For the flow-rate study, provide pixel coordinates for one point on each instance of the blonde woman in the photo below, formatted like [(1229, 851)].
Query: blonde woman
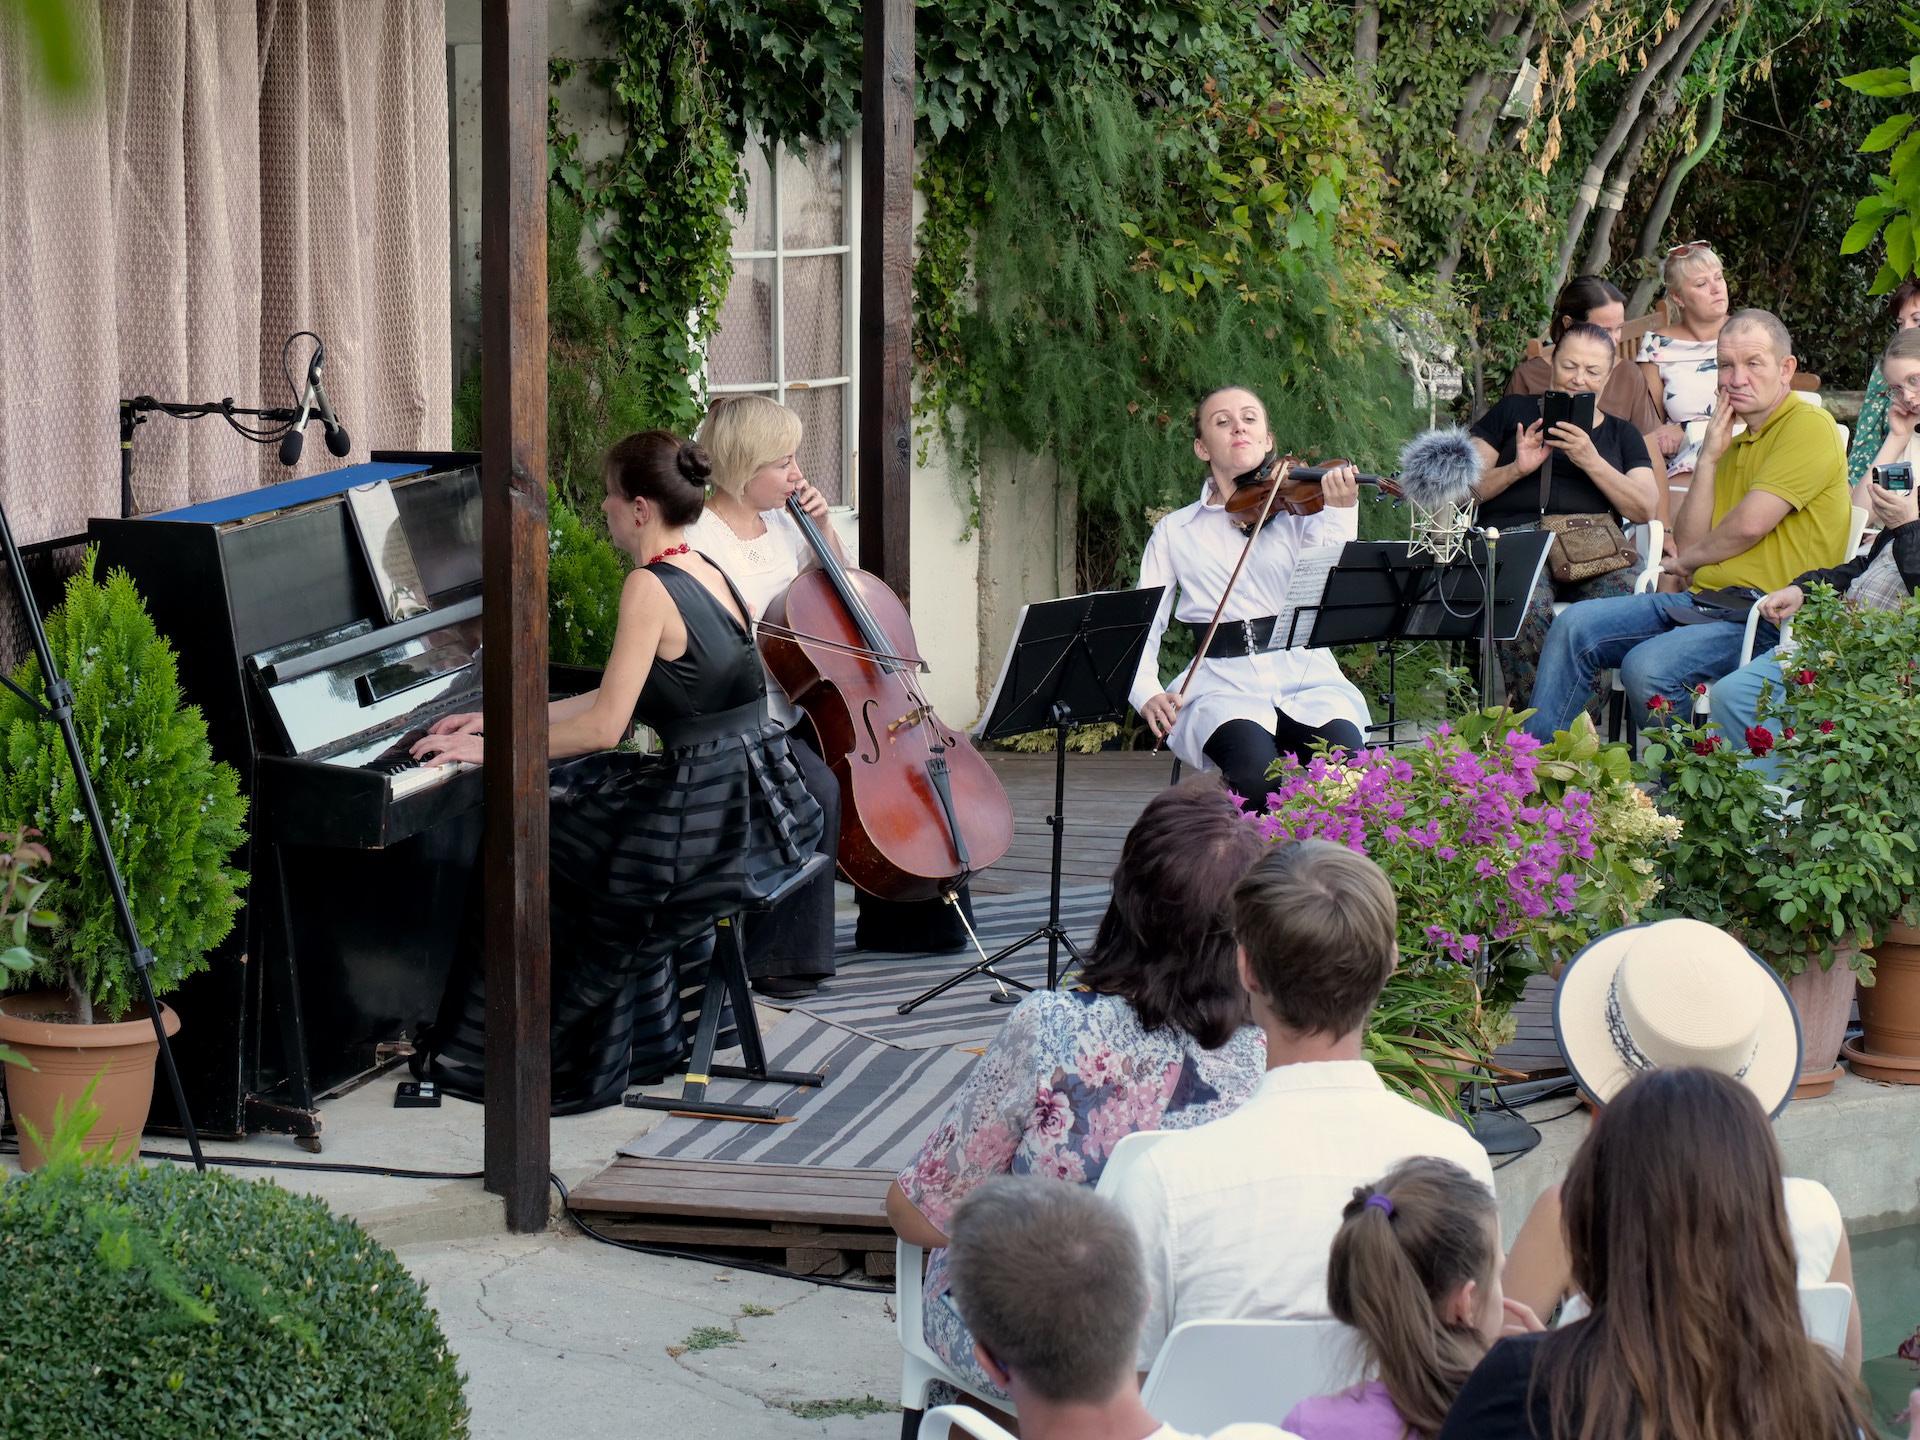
[(754, 444), (1679, 361)]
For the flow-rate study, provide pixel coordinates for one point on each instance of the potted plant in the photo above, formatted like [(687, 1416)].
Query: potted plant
[(1493, 844), (174, 817), (1809, 867)]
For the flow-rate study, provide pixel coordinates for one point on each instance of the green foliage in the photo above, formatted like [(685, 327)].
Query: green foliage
[(20, 892), (173, 815), (585, 575), (858, 1407), (711, 1337), (1893, 209), (1825, 862), (166, 1302), (50, 33), (1428, 1033)]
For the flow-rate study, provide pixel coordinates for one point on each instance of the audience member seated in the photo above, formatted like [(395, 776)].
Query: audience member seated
[(1882, 579), (1870, 426), (1678, 1233), (1415, 1271), (1765, 506), (1676, 993), (1680, 361), (1590, 300), (1899, 374), (1602, 471), (1050, 1281), (1236, 1217), (1157, 1037)]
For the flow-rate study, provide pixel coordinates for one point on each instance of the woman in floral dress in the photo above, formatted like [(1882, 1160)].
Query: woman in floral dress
[(1157, 1037)]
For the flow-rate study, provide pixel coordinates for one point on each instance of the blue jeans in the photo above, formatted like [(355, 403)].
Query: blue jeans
[(1736, 706), (1638, 635)]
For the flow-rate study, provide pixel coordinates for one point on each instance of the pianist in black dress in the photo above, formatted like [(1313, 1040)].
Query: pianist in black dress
[(647, 850)]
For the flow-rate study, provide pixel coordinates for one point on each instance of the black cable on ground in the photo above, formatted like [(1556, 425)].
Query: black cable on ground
[(254, 1162)]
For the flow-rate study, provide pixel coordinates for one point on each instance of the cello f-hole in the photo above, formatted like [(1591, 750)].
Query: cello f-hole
[(873, 736)]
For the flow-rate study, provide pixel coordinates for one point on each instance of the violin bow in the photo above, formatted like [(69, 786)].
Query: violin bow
[(840, 647), (1213, 625)]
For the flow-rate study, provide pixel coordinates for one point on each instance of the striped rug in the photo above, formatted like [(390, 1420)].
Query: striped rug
[(870, 986), (878, 1103)]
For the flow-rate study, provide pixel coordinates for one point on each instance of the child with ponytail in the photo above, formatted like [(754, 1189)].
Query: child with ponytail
[(1415, 1271)]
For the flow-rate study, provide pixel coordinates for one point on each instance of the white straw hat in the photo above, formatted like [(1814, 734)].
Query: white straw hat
[(1677, 992)]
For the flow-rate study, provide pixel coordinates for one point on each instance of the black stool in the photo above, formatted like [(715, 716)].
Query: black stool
[(727, 979)]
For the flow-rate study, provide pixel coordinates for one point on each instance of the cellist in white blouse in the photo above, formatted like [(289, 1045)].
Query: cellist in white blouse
[(1247, 705)]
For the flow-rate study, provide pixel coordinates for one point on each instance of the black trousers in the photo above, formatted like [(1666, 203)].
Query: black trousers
[(1244, 751)]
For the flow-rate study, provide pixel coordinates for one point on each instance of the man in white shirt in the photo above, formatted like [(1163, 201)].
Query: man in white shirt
[(1236, 1217), (1048, 1279)]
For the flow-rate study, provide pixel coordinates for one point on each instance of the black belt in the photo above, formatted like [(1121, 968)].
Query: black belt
[(1235, 638), (698, 729)]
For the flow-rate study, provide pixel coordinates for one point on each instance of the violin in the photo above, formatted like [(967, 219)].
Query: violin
[(920, 809), (1299, 490)]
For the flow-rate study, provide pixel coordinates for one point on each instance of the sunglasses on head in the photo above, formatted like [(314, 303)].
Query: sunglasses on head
[(1687, 249)]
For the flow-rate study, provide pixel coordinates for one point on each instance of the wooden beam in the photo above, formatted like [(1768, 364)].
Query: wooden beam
[(513, 290), (886, 290)]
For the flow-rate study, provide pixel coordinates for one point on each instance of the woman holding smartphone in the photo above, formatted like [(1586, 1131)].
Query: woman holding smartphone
[(1600, 467)]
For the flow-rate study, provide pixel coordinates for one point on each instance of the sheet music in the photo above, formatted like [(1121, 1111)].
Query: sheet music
[(1304, 592), (396, 578)]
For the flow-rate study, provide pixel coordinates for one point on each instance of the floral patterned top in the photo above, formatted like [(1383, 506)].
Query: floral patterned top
[(1870, 430), (1067, 1078), (1691, 372)]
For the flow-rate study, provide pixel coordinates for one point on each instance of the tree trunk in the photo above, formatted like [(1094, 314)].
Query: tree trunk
[(1614, 197), (1677, 173), (1366, 44), (1697, 13)]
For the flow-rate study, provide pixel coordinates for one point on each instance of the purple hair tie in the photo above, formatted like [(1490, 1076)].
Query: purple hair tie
[(1377, 1201)]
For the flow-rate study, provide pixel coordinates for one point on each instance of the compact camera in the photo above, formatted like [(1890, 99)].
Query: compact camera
[(1897, 476)]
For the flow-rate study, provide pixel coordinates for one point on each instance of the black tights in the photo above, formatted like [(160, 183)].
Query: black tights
[(1244, 751)]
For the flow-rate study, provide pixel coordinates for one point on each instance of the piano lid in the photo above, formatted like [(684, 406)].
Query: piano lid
[(288, 493)]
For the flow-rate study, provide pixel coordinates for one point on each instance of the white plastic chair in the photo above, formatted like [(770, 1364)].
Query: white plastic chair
[(919, 1365), (1213, 1373), (1857, 526), (1825, 1310), (934, 1424)]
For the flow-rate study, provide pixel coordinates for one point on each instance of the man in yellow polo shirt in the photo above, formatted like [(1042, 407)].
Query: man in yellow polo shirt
[(1764, 507)]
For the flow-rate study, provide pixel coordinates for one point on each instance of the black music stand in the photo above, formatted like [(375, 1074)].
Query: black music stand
[(1072, 662)]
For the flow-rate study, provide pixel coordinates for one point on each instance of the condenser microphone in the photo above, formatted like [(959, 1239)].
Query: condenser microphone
[(1437, 474), (337, 441), (295, 439)]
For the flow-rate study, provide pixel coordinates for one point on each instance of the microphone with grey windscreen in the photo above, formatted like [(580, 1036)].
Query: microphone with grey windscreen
[(1438, 470)]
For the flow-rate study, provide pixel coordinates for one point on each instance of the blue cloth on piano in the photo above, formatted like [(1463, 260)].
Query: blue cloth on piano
[(288, 493)]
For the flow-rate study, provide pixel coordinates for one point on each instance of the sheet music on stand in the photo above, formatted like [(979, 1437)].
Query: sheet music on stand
[(1306, 591), (1380, 590)]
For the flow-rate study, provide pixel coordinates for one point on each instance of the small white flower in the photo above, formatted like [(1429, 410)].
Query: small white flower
[(76, 817)]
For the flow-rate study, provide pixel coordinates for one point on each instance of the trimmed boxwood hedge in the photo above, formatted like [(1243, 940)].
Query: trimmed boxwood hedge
[(163, 1303)]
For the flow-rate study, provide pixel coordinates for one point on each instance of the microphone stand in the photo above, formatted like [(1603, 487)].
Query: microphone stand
[(134, 413)]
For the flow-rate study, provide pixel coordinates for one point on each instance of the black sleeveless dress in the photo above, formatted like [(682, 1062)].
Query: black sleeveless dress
[(647, 851)]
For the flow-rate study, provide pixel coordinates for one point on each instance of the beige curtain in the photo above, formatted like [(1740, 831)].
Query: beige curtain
[(244, 169)]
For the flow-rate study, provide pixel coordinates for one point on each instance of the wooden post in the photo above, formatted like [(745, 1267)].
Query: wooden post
[(886, 290), (513, 290)]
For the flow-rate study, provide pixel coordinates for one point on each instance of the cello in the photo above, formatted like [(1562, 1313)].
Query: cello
[(920, 809)]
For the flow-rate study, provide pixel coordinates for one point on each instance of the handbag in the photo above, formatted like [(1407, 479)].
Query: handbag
[(1584, 546)]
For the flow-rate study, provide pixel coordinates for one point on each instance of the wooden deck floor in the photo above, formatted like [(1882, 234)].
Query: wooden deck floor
[(1105, 794)]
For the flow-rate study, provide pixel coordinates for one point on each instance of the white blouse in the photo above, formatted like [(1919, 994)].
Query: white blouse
[(1192, 552), (761, 568)]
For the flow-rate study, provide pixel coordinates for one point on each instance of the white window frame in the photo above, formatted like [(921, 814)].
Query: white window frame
[(780, 385)]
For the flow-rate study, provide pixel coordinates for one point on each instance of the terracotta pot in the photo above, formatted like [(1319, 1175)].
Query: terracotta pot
[(1824, 1000), (65, 1056), (1890, 1007)]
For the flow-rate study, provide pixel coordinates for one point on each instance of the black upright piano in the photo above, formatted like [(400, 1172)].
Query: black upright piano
[(359, 861)]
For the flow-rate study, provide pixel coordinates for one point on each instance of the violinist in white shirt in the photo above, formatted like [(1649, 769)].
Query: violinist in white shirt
[(1247, 704)]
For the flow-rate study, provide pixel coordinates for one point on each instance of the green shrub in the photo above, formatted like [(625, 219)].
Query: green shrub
[(174, 815), (165, 1303), (585, 573)]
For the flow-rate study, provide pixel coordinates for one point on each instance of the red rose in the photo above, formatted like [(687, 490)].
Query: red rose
[(1805, 677), (1658, 704), (1706, 746), (1759, 740), (1700, 689), (1826, 727), (1787, 734)]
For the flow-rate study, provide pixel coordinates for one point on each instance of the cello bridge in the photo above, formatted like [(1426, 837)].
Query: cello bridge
[(912, 717)]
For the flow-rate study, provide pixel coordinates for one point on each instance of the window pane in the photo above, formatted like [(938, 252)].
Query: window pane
[(753, 227), (813, 196), (815, 317), (741, 352), (822, 444)]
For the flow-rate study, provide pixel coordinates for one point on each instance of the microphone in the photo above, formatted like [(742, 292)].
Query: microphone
[(295, 439), (1437, 474), (314, 398), (337, 441)]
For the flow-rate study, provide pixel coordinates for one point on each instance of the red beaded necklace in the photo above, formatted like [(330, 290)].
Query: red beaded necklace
[(681, 549)]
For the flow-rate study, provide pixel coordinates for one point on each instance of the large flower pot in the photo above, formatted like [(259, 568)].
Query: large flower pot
[(65, 1056), (1824, 1000), (1890, 1012)]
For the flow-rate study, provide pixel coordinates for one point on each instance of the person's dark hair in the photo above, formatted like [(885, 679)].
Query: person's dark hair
[(1165, 945), (1903, 295), (1318, 922), (1584, 331), (1201, 404), (1676, 1225), (1578, 299), (1390, 1269), (1049, 1279), (658, 465)]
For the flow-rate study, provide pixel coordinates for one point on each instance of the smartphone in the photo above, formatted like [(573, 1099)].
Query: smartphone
[(1558, 407), (1896, 476)]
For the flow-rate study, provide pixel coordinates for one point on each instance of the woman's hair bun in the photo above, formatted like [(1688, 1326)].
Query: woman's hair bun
[(693, 463)]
